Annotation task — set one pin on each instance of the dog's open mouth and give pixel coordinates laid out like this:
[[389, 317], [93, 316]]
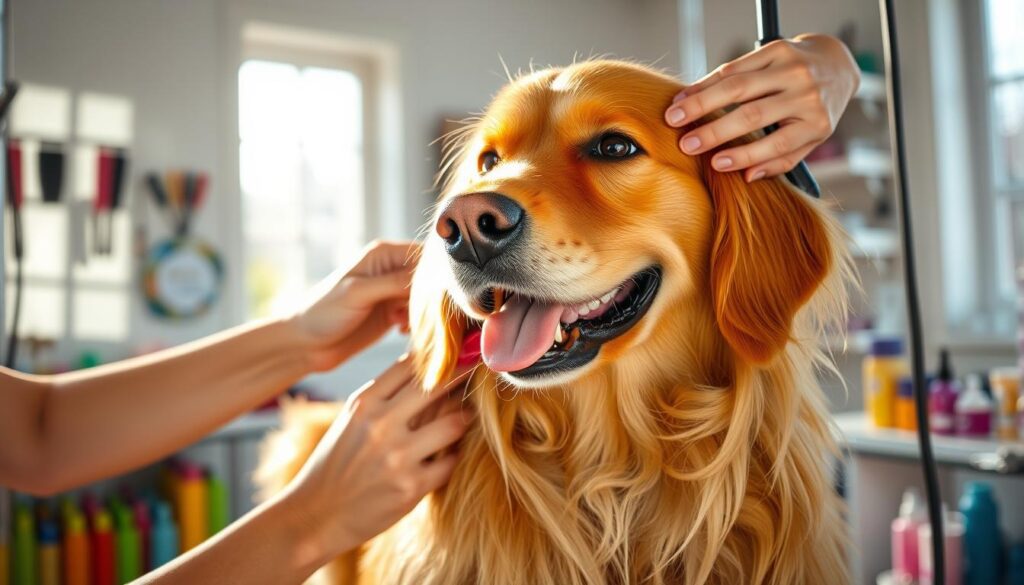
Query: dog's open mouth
[[529, 337]]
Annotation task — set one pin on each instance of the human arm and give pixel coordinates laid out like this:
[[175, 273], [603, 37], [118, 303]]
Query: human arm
[[57, 432], [371, 468], [803, 85]]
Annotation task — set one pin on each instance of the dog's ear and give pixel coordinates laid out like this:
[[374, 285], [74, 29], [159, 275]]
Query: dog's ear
[[436, 326], [770, 253]]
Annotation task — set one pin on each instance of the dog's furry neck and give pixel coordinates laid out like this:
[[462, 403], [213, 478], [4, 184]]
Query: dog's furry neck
[[622, 479]]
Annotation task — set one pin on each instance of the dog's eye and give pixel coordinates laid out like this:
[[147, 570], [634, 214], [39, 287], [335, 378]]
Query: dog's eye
[[488, 160], [614, 145]]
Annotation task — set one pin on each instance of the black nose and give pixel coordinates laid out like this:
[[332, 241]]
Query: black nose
[[480, 226]]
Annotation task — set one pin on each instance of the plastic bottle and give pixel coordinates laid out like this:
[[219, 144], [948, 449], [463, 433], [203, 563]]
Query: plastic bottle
[[101, 543], [942, 396], [144, 526], [126, 540], [164, 536], [904, 535], [49, 553], [76, 549], [883, 368], [5, 531], [23, 547], [5, 559], [1015, 565], [1020, 416], [218, 507], [953, 549], [1005, 383], [974, 410], [193, 514], [981, 534], [905, 413]]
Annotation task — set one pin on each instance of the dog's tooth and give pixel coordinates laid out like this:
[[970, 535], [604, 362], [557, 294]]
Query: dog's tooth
[[559, 338], [607, 297], [594, 304]]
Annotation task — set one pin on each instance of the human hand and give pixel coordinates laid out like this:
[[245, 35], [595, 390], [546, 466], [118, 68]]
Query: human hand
[[803, 85], [353, 308], [387, 449]]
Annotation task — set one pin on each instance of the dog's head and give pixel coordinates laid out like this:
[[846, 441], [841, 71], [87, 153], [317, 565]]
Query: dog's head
[[576, 235]]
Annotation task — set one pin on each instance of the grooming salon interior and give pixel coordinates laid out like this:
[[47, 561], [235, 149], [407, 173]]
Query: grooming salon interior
[[175, 169]]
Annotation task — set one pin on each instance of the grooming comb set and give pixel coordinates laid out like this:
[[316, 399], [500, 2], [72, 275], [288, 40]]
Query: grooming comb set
[[178, 195]]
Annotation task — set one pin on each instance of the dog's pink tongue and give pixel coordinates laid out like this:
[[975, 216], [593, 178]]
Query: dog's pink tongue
[[519, 333]]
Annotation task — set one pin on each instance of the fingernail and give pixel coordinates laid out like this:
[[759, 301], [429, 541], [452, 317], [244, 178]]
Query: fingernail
[[757, 176], [723, 162], [691, 143], [675, 116]]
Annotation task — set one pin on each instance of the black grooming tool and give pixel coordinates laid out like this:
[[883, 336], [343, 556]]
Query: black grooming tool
[[768, 31], [51, 171]]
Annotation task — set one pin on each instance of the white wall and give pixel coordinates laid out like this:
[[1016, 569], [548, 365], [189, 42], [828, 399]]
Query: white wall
[[177, 59]]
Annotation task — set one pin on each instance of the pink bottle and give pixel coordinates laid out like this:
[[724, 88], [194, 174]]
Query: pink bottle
[[974, 410], [953, 533], [905, 566], [942, 397]]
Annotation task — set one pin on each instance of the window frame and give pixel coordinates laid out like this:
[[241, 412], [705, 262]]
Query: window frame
[[364, 68]]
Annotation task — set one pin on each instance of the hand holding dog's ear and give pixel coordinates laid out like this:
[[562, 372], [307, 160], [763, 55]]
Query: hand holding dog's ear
[[804, 85], [351, 309]]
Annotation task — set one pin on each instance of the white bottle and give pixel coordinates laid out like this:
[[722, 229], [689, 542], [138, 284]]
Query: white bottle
[[974, 410]]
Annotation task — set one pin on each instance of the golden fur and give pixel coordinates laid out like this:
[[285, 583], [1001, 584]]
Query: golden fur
[[695, 448]]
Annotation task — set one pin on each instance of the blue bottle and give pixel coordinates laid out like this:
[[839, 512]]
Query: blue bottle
[[1015, 572], [163, 540], [981, 534]]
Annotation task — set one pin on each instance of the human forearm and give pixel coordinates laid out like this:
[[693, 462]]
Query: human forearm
[[272, 545], [107, 420]]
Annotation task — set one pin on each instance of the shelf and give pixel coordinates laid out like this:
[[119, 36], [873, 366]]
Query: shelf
[[872, 87], [870, 163], [874, 243], [856, 342], [861, 437], [253, 423]]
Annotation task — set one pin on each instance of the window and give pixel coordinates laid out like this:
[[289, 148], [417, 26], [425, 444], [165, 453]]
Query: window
[[302, 166], [982, 173]]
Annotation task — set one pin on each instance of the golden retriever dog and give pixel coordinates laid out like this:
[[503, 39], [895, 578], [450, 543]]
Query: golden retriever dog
[[648, 409]]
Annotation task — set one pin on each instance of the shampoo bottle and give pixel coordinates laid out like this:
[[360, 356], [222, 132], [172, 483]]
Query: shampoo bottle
[[953, 549], [942, 398], [75, 549], [104, 562], [23, 547], [193, 506], [883, 368], [217, 494], [974, 410], [981, 534], [126, 541], [904, 535], [49, 553], [163, 537]]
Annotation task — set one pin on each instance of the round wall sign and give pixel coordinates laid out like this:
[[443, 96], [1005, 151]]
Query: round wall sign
[[182, 278]]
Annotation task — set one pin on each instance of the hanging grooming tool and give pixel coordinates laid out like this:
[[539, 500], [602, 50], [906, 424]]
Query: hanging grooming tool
[[159, 192], [194, 193], [51, 171], [14, 199], [174, 183], [116, 190], [101, 205], [767, 31]]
